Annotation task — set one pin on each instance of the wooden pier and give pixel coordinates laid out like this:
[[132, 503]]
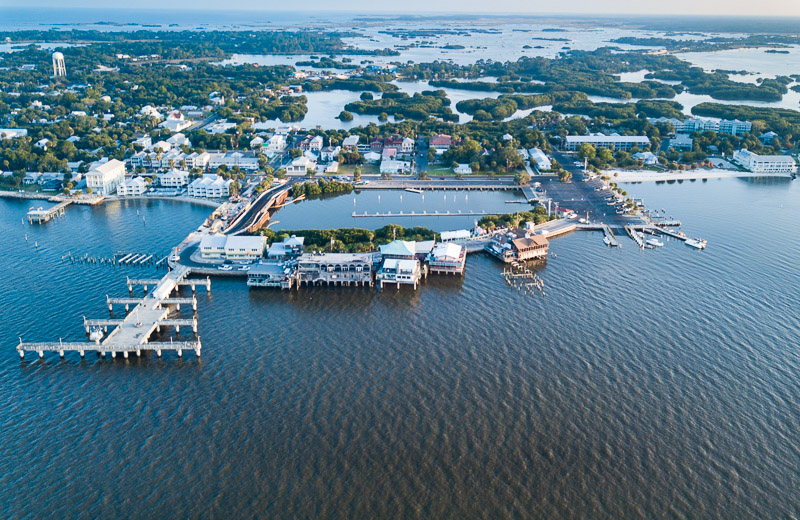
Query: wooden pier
[[40, 215], [132, 333], [610, 239]]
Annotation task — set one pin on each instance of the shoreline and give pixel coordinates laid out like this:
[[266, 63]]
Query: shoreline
[[60, 197], [649, 176]]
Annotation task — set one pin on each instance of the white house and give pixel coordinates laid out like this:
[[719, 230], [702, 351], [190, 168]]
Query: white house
[[163, 146], [300, 165], [210, 186], [179, 140], [276, 143], [399, 271], [542, 160], [767, 164], [104, 177], [463, 169], [175, 122], [649, 158], [350, 142], [256, 142], [220, 126], [173, 179], [42, 143], [132, 187], [145, 142], [329, 153], [150, 111], [213, 246], [395, 167], [245, 247], [372, 157], [407, 146]]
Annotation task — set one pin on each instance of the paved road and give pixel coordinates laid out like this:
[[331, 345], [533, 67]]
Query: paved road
[[257, 206]]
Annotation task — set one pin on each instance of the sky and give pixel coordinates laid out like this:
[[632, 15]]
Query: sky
[[677, 7]]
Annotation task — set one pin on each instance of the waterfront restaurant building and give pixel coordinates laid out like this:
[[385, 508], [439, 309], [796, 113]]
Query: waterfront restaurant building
[[447, 258], [336, 268], [397, 271], [618, 142], [518, 245]]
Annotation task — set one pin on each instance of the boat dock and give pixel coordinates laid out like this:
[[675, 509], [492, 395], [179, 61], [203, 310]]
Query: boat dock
[[609, 238], [132, 333], [40, 215], [634, 236], [423, 214]]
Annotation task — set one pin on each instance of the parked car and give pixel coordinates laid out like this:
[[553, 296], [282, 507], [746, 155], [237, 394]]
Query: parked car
[[225, 267], [244, 268]]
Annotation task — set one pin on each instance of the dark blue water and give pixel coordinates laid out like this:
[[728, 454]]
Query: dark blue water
[[645, 384]]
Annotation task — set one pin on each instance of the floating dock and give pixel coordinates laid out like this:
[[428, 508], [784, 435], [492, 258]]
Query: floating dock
[[132, 333], [611, 240]]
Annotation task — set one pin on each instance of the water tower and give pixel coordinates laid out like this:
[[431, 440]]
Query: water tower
[[59, 67]]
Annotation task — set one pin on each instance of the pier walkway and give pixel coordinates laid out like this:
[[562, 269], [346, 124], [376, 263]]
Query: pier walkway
[[40, 215], [132, 333]]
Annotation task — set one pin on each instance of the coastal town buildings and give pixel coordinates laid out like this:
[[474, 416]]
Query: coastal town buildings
[[518, 245], [617, 142], [447, 258], [397, 271], [336, 268], [135, 186], [104, 177], [210, 186], [542, 160], [767, 164]]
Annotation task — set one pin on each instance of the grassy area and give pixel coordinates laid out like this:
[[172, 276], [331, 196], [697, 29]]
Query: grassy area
[[366, 169], [33, 188]]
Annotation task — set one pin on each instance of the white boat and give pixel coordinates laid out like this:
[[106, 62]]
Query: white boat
[[607, 241], [654, 242], [696, 243], [96, 334]]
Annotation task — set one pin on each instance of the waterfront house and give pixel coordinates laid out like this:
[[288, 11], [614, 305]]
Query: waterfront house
[[173, 179], [398, 271], [336, 268], [290, 247], [104, 177], [648, 158], [447, 258], [210, 186], [132, 187]]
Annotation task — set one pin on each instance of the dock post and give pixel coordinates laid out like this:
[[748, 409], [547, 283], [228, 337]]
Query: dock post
[[125, 354], [103, 354], [113, 354], [41, 354], [208, 284], [178, 329], [145, 289], [138, 352], [22, 354], [61, 354], [178, 307], [194, 304], [193, 288], [158, 328], [158, 352], [81, 352], [127, 308], [180, 352]]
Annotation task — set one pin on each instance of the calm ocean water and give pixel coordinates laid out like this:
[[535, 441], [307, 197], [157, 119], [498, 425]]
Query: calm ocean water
[[645, 384]]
